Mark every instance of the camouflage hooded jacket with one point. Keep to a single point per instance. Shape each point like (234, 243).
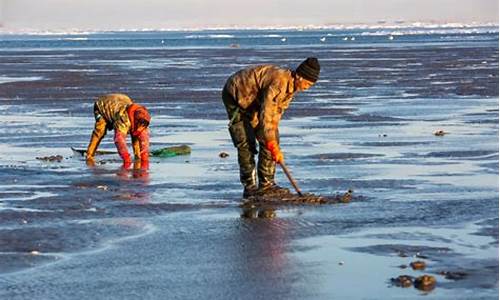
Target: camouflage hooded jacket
(110, 112)
(113, 109)
(263, 93)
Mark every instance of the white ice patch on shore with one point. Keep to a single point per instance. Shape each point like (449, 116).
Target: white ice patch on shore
(22, 195)
(159, 63)
(210, 36)
(6, 79)
(76, 39)
(207, 89)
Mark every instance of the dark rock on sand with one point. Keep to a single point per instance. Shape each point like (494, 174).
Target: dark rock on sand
(425, 282)
(418, 265)
(223, 154)
(440, 133)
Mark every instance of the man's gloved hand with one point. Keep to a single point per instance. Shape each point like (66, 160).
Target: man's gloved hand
(275, 151)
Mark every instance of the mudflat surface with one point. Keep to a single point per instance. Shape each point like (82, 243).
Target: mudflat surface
(68, 231)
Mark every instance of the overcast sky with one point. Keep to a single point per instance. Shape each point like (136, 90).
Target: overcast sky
(130, 14)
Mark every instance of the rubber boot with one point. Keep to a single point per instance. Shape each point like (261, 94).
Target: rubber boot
(243, 137)
(249, 184)
(266, 172)
(246, 149)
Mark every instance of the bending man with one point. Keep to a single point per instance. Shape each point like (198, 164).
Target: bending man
(118, 112)
(255, 99)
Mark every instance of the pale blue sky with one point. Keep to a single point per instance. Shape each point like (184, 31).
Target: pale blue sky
(128, 14)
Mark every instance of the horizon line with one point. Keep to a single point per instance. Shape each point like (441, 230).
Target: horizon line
(333, 26)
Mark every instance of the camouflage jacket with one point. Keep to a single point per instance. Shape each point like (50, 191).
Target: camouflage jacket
(263, 93)
(110, 112)
(113, 109)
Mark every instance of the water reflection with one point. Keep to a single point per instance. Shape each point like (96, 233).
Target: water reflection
(258, 212)
(139, 171)
(258, 256)
(129, 182)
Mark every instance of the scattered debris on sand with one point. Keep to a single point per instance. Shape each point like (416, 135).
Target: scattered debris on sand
(440, 132)
(223, 154)
(52, 158)
(418, 265)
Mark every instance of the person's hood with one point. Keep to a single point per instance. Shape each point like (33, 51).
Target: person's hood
(136, 113)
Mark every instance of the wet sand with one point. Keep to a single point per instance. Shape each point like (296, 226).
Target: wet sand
(72, 232)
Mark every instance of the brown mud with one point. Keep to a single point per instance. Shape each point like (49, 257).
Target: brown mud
(289, 198)
(265, 205)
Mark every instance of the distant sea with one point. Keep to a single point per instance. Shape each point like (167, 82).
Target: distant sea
(338, 36)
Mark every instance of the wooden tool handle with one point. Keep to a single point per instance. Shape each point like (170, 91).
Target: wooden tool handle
(290, 178)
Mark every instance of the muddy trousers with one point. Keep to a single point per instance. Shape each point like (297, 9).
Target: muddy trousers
(244, 139)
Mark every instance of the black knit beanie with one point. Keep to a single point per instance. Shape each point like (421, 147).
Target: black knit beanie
(309, 69)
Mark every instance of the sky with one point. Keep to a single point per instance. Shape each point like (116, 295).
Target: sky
(158, 14)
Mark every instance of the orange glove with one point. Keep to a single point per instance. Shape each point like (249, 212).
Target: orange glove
(275, 151)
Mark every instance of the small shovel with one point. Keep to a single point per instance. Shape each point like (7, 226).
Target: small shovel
(290, 178)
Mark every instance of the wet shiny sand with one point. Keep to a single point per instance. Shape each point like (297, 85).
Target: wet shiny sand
(72, 232)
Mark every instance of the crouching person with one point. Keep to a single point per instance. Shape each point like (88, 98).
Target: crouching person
(118, 112)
